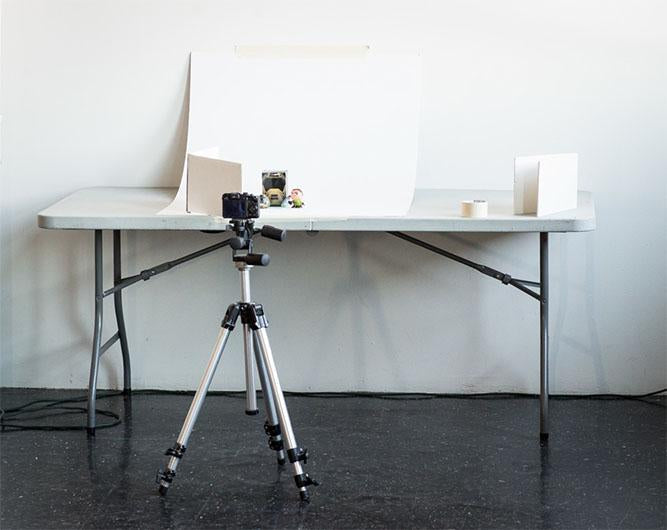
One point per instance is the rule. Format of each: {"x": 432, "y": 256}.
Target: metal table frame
{"x": 119, "y": 283}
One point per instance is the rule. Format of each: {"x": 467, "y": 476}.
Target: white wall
{"x": 93, "y": 94}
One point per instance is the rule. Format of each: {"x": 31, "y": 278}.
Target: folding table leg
{"x": 120, "y": 319}
{"x": 544, "y": 336}
{"x": 97, "y": 335}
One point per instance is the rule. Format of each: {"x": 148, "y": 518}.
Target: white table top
{"x": 433, "y": 210}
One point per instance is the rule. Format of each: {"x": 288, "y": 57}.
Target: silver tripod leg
{"x": 176, "y": 453}
{"x": 272, "y": 425}
{"x": 295, "y": 454}
{"x": 250, "y": 389}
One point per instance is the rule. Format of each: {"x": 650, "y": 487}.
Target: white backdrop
{"x": 329, "y": 116}
{"x": 93, "y": 94}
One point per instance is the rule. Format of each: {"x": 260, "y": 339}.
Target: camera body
{"x": 240, "y": 206}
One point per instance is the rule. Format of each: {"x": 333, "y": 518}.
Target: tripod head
{"x": 245, "y": 230}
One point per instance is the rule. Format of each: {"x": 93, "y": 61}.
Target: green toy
{"x": 296, "y": 198}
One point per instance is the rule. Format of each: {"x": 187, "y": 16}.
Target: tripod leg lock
{"x": 298, "y": 454}
{"x": 231, "y": 316}
{"x": 276, "y": 445}
{"x": 164, "y": 478}
{"x": 177, "y": 451}
{"x": 304, "y": 480}
{"x": 271, "y": 430}
{"x": 253, "y": 315}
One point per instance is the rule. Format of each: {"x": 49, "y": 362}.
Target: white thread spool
{"x": 477, "y": 208}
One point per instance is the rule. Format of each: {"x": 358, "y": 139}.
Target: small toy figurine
{"x": 296, "y": 198}
{"x": 264, "y": 201}
{"x": 274, "y": 186}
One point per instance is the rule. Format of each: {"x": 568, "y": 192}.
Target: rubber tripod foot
{"x": 282, "y": 461}
{"x": 90, "y": 431}
{"x": 252, "y": 412}
{"x": 305, "y": 497}
{"x": 544, "y": 437}
{"x": 163, "y": 490}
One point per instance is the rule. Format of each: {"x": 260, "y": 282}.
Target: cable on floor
{"x": 13, "y": 419}
{"x": 9, "y": 417}
{"x": 414, "y": 396}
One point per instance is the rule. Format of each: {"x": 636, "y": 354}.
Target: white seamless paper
{"x": 342, "y": 121}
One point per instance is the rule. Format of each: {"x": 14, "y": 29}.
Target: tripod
{"x": 278, "y": 426}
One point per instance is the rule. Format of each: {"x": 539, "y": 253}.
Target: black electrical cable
{"x": 13, "y": 419}
{"x": 7, "y": 416}
{"x": 415, "y": 396}
{"x": 418, "y": 396}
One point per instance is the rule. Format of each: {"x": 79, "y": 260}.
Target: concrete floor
{"x": 442, "y": 463}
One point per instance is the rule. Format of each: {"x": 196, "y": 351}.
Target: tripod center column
{"x": 251, "y": 391}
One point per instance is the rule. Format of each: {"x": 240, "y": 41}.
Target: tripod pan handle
{"x": 277, "y": 234}
{"x": 261, "y": 260}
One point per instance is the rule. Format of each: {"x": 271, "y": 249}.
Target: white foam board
{"x": 545, "y": 184}
{"x": 208, "y": 177}
{"x": 557, "y": 184}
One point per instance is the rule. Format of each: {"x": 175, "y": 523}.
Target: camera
{"x": 240, "y": 206}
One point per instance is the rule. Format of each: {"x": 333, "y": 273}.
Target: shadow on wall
{"x": 562, "y": 287}
{"x": 28, "y": 317}
{"x": 559, "y": 338}
{"x": 375, "y": 335}
{"x": 370, "y": 304}
{"x": 362, "y": 289}
{"x": 490, "y": 249}
{"x": 399, "y": 304}
{"x": 40, "y": 250}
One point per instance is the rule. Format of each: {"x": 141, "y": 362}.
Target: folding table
{"x": 433, "y": 210}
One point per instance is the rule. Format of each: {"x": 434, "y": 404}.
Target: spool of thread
{"x": 477, "y": 208}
